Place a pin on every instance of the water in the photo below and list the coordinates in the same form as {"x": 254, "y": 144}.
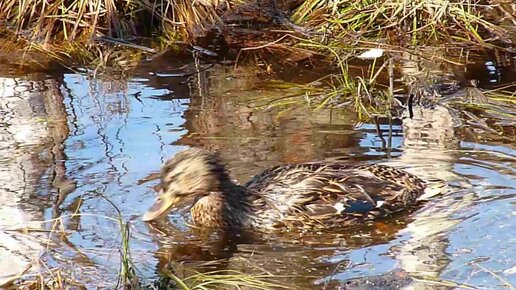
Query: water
{"x": 69, "y": 144}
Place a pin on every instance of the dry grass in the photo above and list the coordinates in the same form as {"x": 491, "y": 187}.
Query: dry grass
{"x": 77, "y": 29}
{"x": 71, "y": 29}
{"x": 65, "y": 20}
{"x": 405, "y": 23}
{"x": 47, "y": 278}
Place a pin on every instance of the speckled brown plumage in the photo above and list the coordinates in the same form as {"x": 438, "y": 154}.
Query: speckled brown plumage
{"x": 308, "y": 195}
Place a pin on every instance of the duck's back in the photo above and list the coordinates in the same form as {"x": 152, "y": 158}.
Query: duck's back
{"x": 332, "y": 194}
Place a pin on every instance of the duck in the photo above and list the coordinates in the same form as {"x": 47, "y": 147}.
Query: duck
{"x": 303, "y": 196}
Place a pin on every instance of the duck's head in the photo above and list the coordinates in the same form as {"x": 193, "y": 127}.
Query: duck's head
{"x": 191, "y": 173}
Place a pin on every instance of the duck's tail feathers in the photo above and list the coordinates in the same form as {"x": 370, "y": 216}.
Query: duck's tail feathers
{"x": 433, "y": 187}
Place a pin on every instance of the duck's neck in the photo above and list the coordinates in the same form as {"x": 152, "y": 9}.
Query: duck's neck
{"x": 228, "y": 208}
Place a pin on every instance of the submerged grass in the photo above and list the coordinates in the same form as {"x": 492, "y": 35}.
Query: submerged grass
{"x": 362, "y": 92}
{"x": 127, "y": 277}
{"x": 225, "y": 279}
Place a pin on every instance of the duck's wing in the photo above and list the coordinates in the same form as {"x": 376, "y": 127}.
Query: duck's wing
{"x": 354, "y": 195}
{"x": 331, "y": 192}
{"x": 391, "y": 174}
{"x": 285, "y": 174}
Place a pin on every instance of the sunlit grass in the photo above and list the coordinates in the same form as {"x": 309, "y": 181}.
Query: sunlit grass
{"x": 405, "y": 23}
{"x": 46, "y": 22}
{"x": 73, "y": 30}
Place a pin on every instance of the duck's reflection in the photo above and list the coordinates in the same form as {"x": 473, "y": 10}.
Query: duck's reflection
{"x": 193, "y": 245}
{"x": 296, "y": 258}
{"x": 430, "y": 151}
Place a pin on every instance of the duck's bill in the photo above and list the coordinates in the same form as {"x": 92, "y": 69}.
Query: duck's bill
{"x": 162, "y": 205}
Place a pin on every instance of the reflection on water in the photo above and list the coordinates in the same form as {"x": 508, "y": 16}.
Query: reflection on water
{"x": 33, "y": 129}
{"x": 67, "y": 142}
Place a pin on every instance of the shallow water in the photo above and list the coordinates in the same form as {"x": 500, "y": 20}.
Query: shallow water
{"x": 69, "y": 144}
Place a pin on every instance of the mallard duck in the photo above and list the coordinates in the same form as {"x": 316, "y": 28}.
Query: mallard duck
{"x": 307, "y": 195}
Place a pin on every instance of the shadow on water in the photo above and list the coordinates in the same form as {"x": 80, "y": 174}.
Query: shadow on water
{"x": 67, "y": 141}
